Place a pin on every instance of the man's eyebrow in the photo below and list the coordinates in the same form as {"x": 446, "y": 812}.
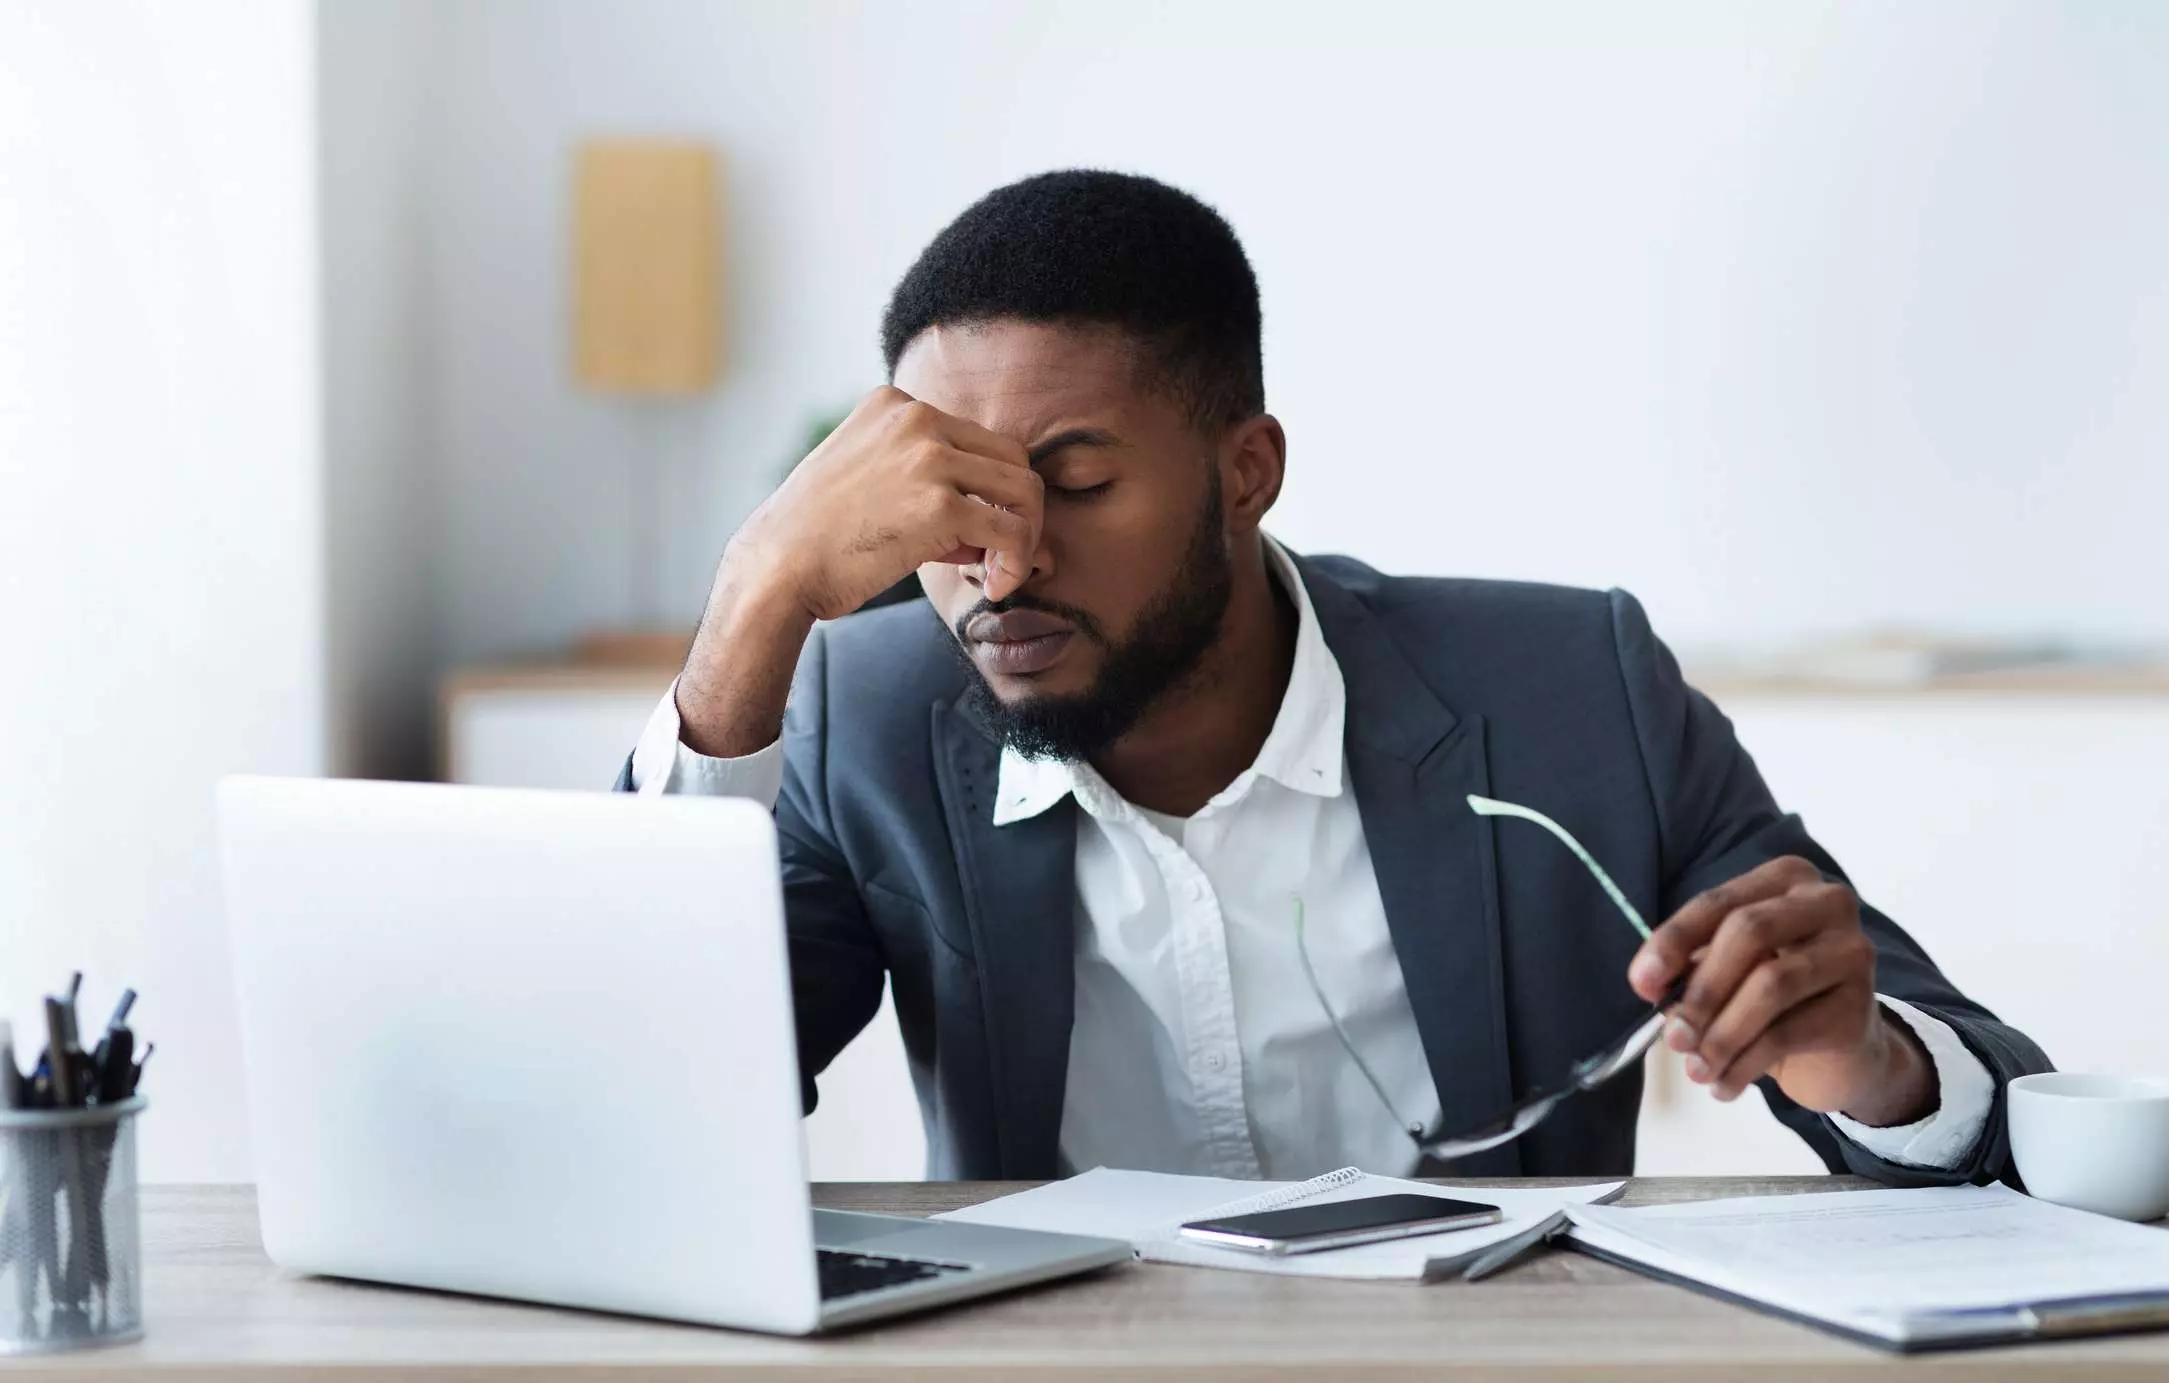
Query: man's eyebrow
{"x": 1074, "y": 437}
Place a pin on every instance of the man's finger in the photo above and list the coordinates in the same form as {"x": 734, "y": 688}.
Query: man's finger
{"x": 1779, "y": 984}
{"x": 1671, "y": 945}
{"x": 999, "y": 534}
{"x": 966, "y": 435}
{"x": 1809, "y": 1024}
{"x": 917, "y": 420}
{"x": 1015, "y": 488}
{"x": 1761, "y": 1054}
{"x": 1746, "y": 938}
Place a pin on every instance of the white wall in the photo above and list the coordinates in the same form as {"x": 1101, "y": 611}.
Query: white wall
{"x": 381, "y": 525}
{"x": 160, "y": 557}
{"x": 1787, "y": 317}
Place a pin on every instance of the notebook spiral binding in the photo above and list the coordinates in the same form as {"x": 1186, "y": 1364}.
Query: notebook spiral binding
{"x": 1286, "y": 1195}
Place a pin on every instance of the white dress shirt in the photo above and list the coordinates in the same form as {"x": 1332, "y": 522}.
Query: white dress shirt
{"x": 1197, "y": 1044}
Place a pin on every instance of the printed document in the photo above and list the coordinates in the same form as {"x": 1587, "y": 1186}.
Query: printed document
{"x": 1896, "y": 1265}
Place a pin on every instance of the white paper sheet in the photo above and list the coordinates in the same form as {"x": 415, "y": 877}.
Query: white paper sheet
{"x": 1883, "y": 1262}
{"x": 1145, "y": 1208}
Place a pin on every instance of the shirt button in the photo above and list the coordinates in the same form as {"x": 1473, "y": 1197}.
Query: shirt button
{"x": 1214, "y": 1061}
{"x": 1194, "y": 891}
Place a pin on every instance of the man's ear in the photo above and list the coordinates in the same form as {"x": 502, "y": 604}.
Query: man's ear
{"x": 1254, "y": 457}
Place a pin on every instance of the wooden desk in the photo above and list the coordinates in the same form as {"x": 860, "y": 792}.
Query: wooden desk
{"x": 218, "y": 1309}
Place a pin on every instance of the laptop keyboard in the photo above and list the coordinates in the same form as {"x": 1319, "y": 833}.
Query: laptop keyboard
{"x": 848, "y": 1274}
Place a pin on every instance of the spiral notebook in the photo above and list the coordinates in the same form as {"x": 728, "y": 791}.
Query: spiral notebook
{"x": 1147, "y": 1207}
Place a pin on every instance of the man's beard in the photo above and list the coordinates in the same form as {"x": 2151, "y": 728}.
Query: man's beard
{"x": 1170, "y": 639}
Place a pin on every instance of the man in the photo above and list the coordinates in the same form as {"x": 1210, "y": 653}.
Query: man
{"x": 1160, "y": 832}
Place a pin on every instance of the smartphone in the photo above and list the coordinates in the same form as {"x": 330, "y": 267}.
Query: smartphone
{"x": 1340, "y": 1224}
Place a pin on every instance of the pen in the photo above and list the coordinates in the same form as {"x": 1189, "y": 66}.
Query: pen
{"x": 11, "y": 1235}
{"x": 97, "y": 1154}
{"x": 135, "y": 1077}
{"x": 43, "y": 1235}
{"x": 12, "y": 1093}
{"x": 65, "y": 1055}
{"x": 60, "y": 1053}
{"x": 1509, "y": 1251}
{"x": 42, "y": 1249}
{"x": 12, "y": 1231}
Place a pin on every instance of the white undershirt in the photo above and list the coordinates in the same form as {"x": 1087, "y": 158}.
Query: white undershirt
{"x": 1197, "y": 1044}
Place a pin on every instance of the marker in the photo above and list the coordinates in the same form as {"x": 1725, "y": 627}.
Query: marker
{"x": 100, "y": 1065}
{"x": 116, "y": 1067}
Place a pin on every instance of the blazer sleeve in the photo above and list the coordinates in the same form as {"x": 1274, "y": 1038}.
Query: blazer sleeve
{"x": 838, "y": 968}
{"x": 1716, "y": 820}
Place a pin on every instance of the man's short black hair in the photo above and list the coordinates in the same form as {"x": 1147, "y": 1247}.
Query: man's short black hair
{"x": 1100, "y": 248}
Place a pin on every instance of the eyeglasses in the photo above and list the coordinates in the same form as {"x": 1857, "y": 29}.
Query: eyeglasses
{"x": 1587, "y": 1074}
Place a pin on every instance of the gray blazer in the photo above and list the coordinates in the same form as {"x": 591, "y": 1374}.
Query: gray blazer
{"x": 1560, "y": 699}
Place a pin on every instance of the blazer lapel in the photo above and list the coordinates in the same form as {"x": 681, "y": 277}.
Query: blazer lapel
{"x": 1019, "y": 889}
{"x": 1413, "y": 763}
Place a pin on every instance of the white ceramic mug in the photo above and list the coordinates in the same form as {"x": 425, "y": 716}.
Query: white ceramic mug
{"x": 2093, "y": 1142}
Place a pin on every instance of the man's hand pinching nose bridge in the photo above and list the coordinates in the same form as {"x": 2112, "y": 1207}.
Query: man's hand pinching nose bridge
{"x": 1004, "y": 572}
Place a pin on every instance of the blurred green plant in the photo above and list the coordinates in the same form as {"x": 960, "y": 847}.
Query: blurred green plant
{"x": 816, "y": 433}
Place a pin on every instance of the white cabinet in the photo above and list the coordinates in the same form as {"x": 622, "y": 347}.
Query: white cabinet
{"x": 571, "y": 727}
{"x": 546, "y": 726}
{"x": 2023, "y": 839}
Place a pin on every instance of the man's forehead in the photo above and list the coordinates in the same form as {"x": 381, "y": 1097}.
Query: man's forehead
{"x": 1020, "y": 377}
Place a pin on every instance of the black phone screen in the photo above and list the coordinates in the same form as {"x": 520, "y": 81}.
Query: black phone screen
{"x": 1344, "y": 1217}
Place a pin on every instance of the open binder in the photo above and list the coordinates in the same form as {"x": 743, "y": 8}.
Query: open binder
{"x": 1939, "y": 1268}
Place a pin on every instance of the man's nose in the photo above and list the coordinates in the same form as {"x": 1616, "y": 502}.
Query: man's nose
{"x": 1042, "y": 564}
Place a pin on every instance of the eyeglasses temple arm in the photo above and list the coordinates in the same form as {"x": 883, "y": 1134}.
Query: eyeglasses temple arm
{"x": 1490, "y": 806}
{"x": 1302, "y": 952}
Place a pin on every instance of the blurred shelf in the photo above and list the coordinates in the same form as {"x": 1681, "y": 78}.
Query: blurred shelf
{"x": 652, "y": 678}
{"x": 2138, "y": 680}
{"x": 545, "y": 724}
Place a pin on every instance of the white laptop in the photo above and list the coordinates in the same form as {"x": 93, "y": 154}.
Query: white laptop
{"x": 539, "y": 1045}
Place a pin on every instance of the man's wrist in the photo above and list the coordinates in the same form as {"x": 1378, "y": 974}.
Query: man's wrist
{"x": 1904, "y": 1089}
{"x": 732, "y": 692}
{"x": 755, "y": 579}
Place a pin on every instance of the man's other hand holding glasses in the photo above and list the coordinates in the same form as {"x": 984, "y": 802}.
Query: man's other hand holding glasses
{"x": 1767, "y": 974}
{"x": 1781, "y": 982}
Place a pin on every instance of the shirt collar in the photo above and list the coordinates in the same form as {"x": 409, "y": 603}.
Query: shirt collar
{"x": 1303, "y": 751}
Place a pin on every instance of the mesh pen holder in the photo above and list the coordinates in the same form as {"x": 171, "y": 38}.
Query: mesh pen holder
{"x": 71, "y": 1254}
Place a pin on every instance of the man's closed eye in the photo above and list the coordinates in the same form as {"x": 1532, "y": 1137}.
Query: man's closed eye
{"x": 1079, "y": 492}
